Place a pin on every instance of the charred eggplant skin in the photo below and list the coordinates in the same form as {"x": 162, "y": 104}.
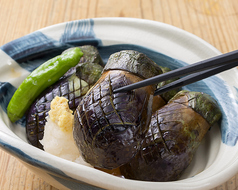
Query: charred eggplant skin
{"x": 109, "y": 126}
{"x": 134, "y": 62}
{"x": 175, "y": 132}
{"x": 202, "y": 103}
{"x": 73, "y": 85}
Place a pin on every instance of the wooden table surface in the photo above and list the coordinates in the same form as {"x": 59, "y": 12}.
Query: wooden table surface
{"x": 215, "y": 21}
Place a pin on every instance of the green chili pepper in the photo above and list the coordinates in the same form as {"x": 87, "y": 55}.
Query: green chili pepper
{"x": 41, "y": 78}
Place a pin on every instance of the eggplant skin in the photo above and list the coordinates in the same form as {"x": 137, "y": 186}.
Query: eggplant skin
{"x": 201, "y": 103}
{"x": 73, "y": 85}
{"x": 109, "y": 126}
{"x": 134, "y": 62}
{"x": 174, "y": 134}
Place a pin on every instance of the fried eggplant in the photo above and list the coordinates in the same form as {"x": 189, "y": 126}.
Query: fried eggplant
{"x": 109, "y": 127}
{"x": 174, "y": 134}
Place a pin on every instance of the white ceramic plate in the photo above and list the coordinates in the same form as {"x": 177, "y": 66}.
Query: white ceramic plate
{"x": 216, "y": 160}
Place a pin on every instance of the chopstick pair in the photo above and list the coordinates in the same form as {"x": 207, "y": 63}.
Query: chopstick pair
{"x": 197, "y": 71}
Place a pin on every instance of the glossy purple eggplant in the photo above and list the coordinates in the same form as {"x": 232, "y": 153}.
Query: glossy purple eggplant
{"x": 109, "y": 126}
{"x": 174, "y": 134}
{"x": 73, "y": 86}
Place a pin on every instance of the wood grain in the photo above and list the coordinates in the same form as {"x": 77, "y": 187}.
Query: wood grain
{"x": 215, "y": 21}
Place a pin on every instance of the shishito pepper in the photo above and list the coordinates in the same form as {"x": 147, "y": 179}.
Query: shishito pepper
{"x": 174, "y": 134}
{"x": 42, "y": 77}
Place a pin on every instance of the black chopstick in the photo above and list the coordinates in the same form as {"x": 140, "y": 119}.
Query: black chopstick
{"x": 189, "y": 69}
{"x": 194, "y": 78}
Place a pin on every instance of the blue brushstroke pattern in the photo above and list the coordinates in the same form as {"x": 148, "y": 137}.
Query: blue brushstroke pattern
{"x": 24, "y": 157}
{"x": 68, "y": 182}
{"x": 79, "y": 33}
{"x": 6, "y": 93}
{"x": 28, "y": 45}
{"x": 32, "y": 50}
{"x": 75, "y": 184}
{"x": 28, "y": 50}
